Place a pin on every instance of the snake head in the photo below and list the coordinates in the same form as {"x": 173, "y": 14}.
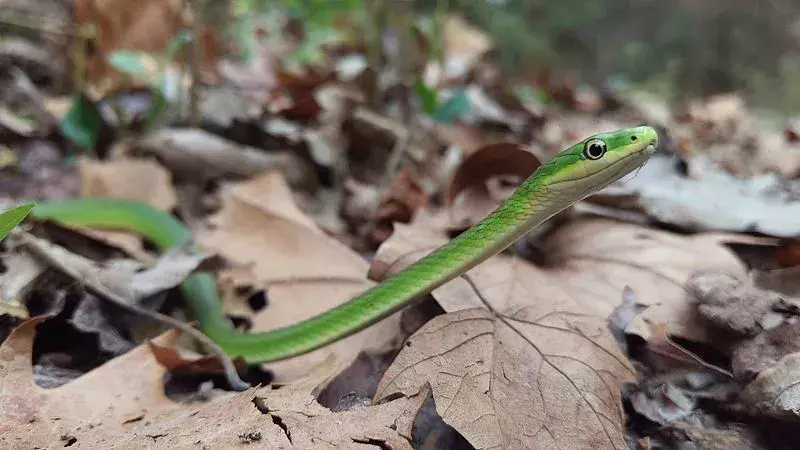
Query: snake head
{"x": 598, "y": 161}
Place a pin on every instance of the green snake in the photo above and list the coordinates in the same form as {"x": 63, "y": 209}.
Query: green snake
{"x": 568, "y": 177}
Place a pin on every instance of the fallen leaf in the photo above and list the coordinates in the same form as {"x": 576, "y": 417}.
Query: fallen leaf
{"x": 762, "y": 352}
{"x": 327, "y": 141}
{"x": 464, "y": 45}
{"x": 404, "y": 197}
{"x": 198, "y": 155}
{"x": 714, "y": 200}
{"x": 501, "y": 158}
{"x": 93, "y": 316}
{"x": 590, "y": 262}
{"x": 21, "y": 271}
{"x": 622, "y": 315}
{"x": 728, "y": 436}
{"x": 663, "y": 404}
{"x": 470, "y": 195}
{"x": 135, "y": 179}
{"x": 128, "y": 279}
{"x": 124, "y": 283}
{"x": 122, "y": 404}
{"x": 521, "y": 380}
{"x": 552, "y": 318}
{"x": 775, "y": 391}
{"x": 149, "y": 26}
{"x": 732, "y": 303}
{"x": 302, "y": 270}
{"x": 663, "y": 355}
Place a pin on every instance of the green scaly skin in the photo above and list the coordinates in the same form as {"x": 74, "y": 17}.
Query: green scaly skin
{"x": 567, "y": 178}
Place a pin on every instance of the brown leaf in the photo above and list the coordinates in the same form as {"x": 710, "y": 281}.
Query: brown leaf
{"x": 500, "y": 158}
{"x": 404, "y": 198}
{"x": 551, "y": 318}
{"x": 520, "y": 380}
{"x": 135, "y": 179}
{"x": 470, "y": 197}
{"x": 303, "y": 270}
{"x": 122, "y": 404}
{"x": 114, "y": 394}
{"x": 147, "y": 26}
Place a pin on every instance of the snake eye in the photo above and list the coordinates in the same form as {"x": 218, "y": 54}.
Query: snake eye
{"x": 594, "y": 149}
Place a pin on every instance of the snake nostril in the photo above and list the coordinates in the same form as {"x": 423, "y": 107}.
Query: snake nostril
{"x": 633, "y": 138}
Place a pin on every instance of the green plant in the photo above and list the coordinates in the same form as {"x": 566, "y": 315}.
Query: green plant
{"x": 10, "y": 218}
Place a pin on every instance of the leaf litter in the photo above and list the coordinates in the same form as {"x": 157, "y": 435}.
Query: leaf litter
{"x": 552, "y": 318}
{"x": 596, "y": 332}
{"x": 123, "y": 403}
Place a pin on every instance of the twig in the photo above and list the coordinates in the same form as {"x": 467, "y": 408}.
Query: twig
{"x": 36, "y": 247}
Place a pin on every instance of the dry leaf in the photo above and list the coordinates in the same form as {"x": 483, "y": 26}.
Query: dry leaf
{"x": 590, "y": 262}
{"x": 21, "y": 270}
{"x": 127, "y": 279}
{"x": 522, "y": 380}
{"x": 470, "y": 195}
{"x": 558, "y": 315}
{"x": 92, "y": 315}
{"x": 198, "y": 155}
{"x": 775, "y": 390}
{"x": 327, "y": 142}
{"x": 715, "y": 200}
{"x": 464, "y": 45}
{"x": 148, "y": 26}
{"x": 731, "y": 303}
{"x": 303, "y": 270}
{"x": 759, "y": 354}
{"x": 663, "y": 355}
{"x": 124, "y": 284}
{"x": 135, "y": 179}
{"x": 122, "y": 404}
{"x": 403, "y": 198}
{"x": 501, "y": 158}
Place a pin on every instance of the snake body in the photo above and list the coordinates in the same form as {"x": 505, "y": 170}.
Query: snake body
{"x": 568, "y": 177}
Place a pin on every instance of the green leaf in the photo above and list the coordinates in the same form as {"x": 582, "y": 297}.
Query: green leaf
{"x": 82, "y": 123}
{"x": 455, "y": 107}
{"x": 12, "y": 217}
{"x": 427, "y": 96}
